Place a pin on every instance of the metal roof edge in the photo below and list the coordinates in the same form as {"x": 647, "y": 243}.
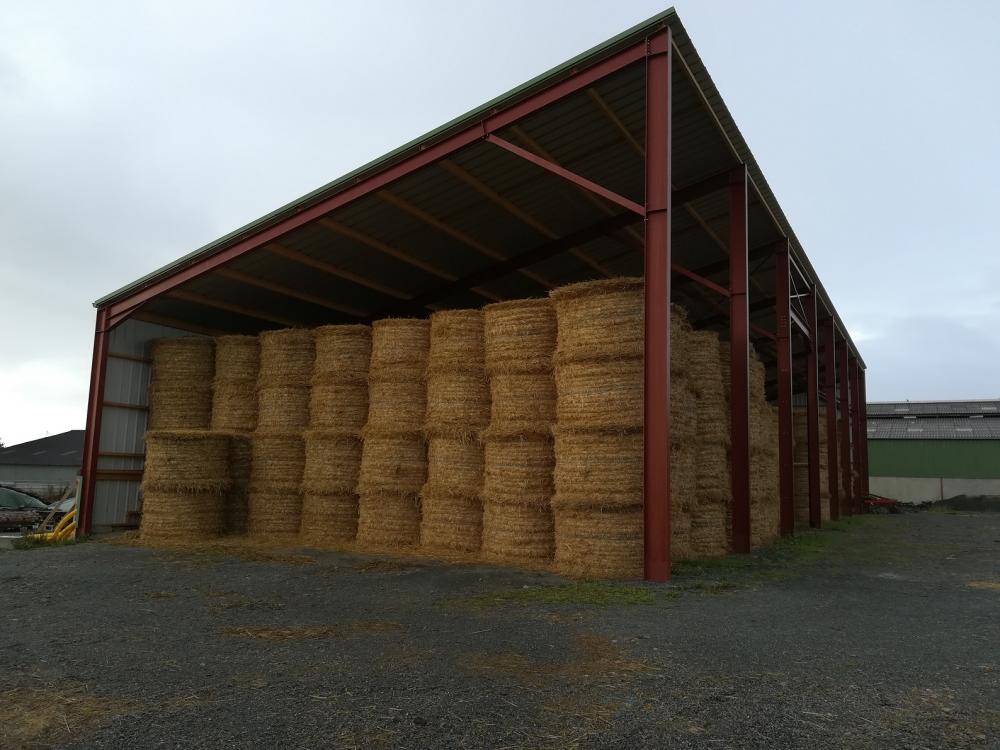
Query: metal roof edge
{"x": 592, "y": 55}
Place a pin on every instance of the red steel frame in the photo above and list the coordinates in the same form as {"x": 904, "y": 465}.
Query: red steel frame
{"x": 739, "y": 359}
{"x": 830, "y": 394}
{"x": 812, "y": 410}
{"x": 846, "y": 500}
{"x": 857, "y": 428}
{"x": 783, "y": 345}
{"x": 863, "y": 400}
{"x": 92, "y": 438}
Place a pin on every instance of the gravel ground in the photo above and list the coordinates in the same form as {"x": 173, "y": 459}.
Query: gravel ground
{"x": 882, "y": 633}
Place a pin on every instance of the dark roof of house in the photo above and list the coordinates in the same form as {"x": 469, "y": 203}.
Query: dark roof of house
{"x": 934, "y": 420}
{"x": 64, "y": 449}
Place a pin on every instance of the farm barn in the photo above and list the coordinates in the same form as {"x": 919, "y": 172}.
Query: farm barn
{"x": 596, "y": 253}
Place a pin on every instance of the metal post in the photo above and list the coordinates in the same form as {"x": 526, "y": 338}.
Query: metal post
{"x": 739, "y": 358}
{"x": 830, "y": 392}
{"x": 92, "y": 437}
{"x": 863, "y": 400}
{"x": 812, "y": 410}
{"x": 656, "y": 404}
{"x": 857, "y": 412}
{"x": 846, "y": 501}
{"x": 783, "y": 345}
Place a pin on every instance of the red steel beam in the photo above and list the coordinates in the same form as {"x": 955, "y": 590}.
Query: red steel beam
{"x": 783, "y": 345}
{"x": 423, "y": 155}
{"x": 92, "y": 437}
{"x": 846, "y": 501}
{"x": 863, "y": 400}
{"x": 812, "y": 412}
{"x": 707, "y": 283}
{"x": 857, "y": 409}
{"x": 828, "y": 334}
{"x": 739, "y": 360}
{"x": 656, "y": 373}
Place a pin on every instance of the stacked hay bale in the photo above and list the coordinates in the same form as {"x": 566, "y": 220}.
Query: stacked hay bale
{"x": 180, "y": 390}
{"x": 393, "y": 456}
{"x": 520, "y": 341}
{"x": 278, "y": 454}
{"x": 684, "y": 433}
{"x": 458, "y": 410}
{"x": 764, "y": 498}
{"x": 235, "y": 509}
{"x": 598, "y": 434}
{"x": 184, "y": 485}
{"x": 800, "y": 458}
{"x": 337, "y": 413}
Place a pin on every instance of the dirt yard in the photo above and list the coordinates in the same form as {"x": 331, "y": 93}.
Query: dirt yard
{"x": 879, "y": 633}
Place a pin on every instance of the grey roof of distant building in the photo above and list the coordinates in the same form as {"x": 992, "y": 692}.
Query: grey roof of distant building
{"x": 934, "y": 420}
{"x": 64, "y": 449}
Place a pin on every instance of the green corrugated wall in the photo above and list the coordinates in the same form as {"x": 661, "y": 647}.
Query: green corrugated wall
{"x": 954, "y": 459}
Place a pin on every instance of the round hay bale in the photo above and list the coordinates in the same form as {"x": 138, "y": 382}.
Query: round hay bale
{"x": 400, "y": 344}
{"x": 599, "y": 320}
{"x": 234, "y": 405}
{"x": 449, "y": 521}
{"x": 396, "y": 405}
{"x": 458, "y": 403}
{"x": 278, "y": 459}
{"x": 283, "y": 408}
{"x": 342, "y": 353}
{"x": 183, "y": 360}
{"x": 340, "y": 406}
{"x": 598, "y": 469}
{"x": 518, "y": 534}
{"x": 522, "y": 403}
{"x": 519, "y": 336}
{"x": 237, "y": 358}
{"x": 395, "y": 463}
{"x": 454, "y": 467}
{"x": 180, "y": 407}
{"x": 599, "y": 543}
{"x": 518, "y": 470}
{"x": 329, "y": 518}
{"x": 273, "y": 512}
{"x": 181, "y": 516}
{"x": 286, "y": 357}
{"x": 599, "y": 395}
{"x": 332, "y": 463}
{"x": 456, "y": 341}
{"x": 186, "y": 460}
{"x": 388, "y": 520}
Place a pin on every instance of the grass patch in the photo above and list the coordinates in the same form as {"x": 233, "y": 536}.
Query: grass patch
{"x": 984, "y": 585}
{"x": 40, "y": 717}
{"x": 34, "y": 542}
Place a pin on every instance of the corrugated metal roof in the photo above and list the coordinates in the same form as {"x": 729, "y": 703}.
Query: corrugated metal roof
{"x": 934, "y": 408}
{"x": 976, "y": 427}
{"x": 64, "y": 449}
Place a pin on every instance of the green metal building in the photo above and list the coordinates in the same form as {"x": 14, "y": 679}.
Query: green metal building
{"x": 934, "y": 450}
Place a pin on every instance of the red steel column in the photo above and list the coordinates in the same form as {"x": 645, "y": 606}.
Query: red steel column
{"x": 812, "y": 410}
{"x": 92, "y": 437}
{"x": 863, "y": 399}
{"x": 857, "y": 415}
{"x": 656, "y": 385}
{"x": 830, "y": 393}
{"x": 846, "y": 500}
{"x": 739, "y": 358}
{"x": 783, "y": 345}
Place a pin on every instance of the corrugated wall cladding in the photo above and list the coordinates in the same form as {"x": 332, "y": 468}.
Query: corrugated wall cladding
{"x": 958, "y": 459}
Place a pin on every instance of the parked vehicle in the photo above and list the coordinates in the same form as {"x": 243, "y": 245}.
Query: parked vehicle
{"x": 19, "y": 510}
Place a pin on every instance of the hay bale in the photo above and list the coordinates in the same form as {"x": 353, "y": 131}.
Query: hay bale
{"x": 703, "y": 368}
{"x": 400, "y": 344}
{"x": 518, "y": 534}
{"x": 234, "y": 405}
{"x": 283, "y": 408}
{"x": 599, "y": 543}
{"x": 237, "y": 358}
{"x": 273, "y": 511}
{"x": 286, "y": 357}
{"x": 518, "y": 470}
{"x": 454, "y": 466}
{"x": 332, "y": 462}
{"x": 709, "y": 535}
{"x": 684, "y": 412}
{"x": 598, "y": 469}
{"x": 329, "y": 518}
{"x": 680, "y": 340}
{"x": 340, "y": 406}
{"x": 522, "y": 403}
{"x": 388, "y": 520}
{"x": 183, "y": 360}
{"x": 277, "y": 461}
{"x": 456, "y": 341}
{"x": 395, "y": 405}
{"x": 392, "y": 464}
{"x": 519, "y": 336}
{"x": 599, "y": 394}
{"x": 458, "y": 403}
{"x": 599, "y": 320}
{"x": 234, "y": 510}
{"x": 713, "y": 483}
{"x": 180, "y": 407}
{"x": 449, "y": 521}
{"x": 179, "y": 515}
{"x": 343, "y": 353}
{"x": 683, "y": 477}
{"x": 185, "y": 460}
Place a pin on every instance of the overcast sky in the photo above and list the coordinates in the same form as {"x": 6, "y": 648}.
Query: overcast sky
{"x": 132, "y": 133}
